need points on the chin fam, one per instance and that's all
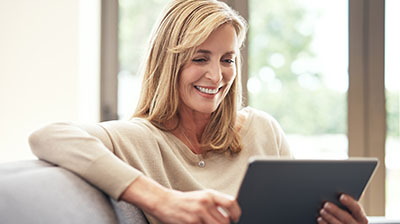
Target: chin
(206, 109)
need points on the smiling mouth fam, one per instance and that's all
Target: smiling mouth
(207, 90)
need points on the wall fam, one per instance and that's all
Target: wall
(38, 69)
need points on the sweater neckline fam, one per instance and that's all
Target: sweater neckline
(184, 149)
(198, 159)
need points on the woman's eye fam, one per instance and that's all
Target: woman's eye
(230, 61)
(199, 60)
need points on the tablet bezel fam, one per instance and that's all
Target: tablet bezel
(276, 190)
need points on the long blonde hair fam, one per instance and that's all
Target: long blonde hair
(184, 25)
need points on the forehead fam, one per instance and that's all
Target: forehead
(222, 40)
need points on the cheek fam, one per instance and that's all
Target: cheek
(190, 74)
(230, 75)
(186, 77)
(183, 88)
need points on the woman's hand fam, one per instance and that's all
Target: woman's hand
(206, 206)
(176, 207)
(330, 213)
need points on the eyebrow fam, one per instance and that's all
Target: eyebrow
(209, 52)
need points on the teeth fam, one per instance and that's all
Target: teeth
(208, 91)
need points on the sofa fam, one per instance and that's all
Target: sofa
(35, 191)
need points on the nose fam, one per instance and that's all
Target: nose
(214, 72)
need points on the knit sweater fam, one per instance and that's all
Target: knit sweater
(111, 155)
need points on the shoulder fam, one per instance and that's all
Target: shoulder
(262, 132)
(135, 128)
(132, 124)
(254, 119)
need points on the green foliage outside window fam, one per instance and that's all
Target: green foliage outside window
(393, 113)
(136, 19)
(297, 98)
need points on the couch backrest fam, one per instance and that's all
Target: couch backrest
(37, 192)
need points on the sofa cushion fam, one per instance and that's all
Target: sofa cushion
(38, 192)
(128, 214)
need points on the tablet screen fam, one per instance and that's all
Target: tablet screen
(293, 191)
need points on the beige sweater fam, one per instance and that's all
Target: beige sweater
(111, 155)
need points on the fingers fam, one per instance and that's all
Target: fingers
(218, 214)
(215, 207)
(320, 220)
(354, 208)
(227, 206)
(205, 206)
(330, 213)
(212, 215)
(333, 214)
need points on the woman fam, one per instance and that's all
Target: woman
(188, 134)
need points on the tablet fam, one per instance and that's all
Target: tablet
(293, 191)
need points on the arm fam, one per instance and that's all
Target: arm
(86, 151)
(171, 206)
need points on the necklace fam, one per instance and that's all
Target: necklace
(201, 163)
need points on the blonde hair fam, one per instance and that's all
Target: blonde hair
(184, 25)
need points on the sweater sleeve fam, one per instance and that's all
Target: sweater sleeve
(86, 151)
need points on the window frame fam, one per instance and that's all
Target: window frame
(366, 95)
(109, 65)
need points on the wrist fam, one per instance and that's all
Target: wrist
(146, 194)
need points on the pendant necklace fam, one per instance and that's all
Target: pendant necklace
(201, 163)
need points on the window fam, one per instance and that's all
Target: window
(298, 60)
(135, 24)
(392, 83)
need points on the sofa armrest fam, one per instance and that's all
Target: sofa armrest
(128, 213)
(35, 191)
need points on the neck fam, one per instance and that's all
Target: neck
(194, 123)
(190, 129)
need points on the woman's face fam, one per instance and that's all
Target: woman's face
(206, 79)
